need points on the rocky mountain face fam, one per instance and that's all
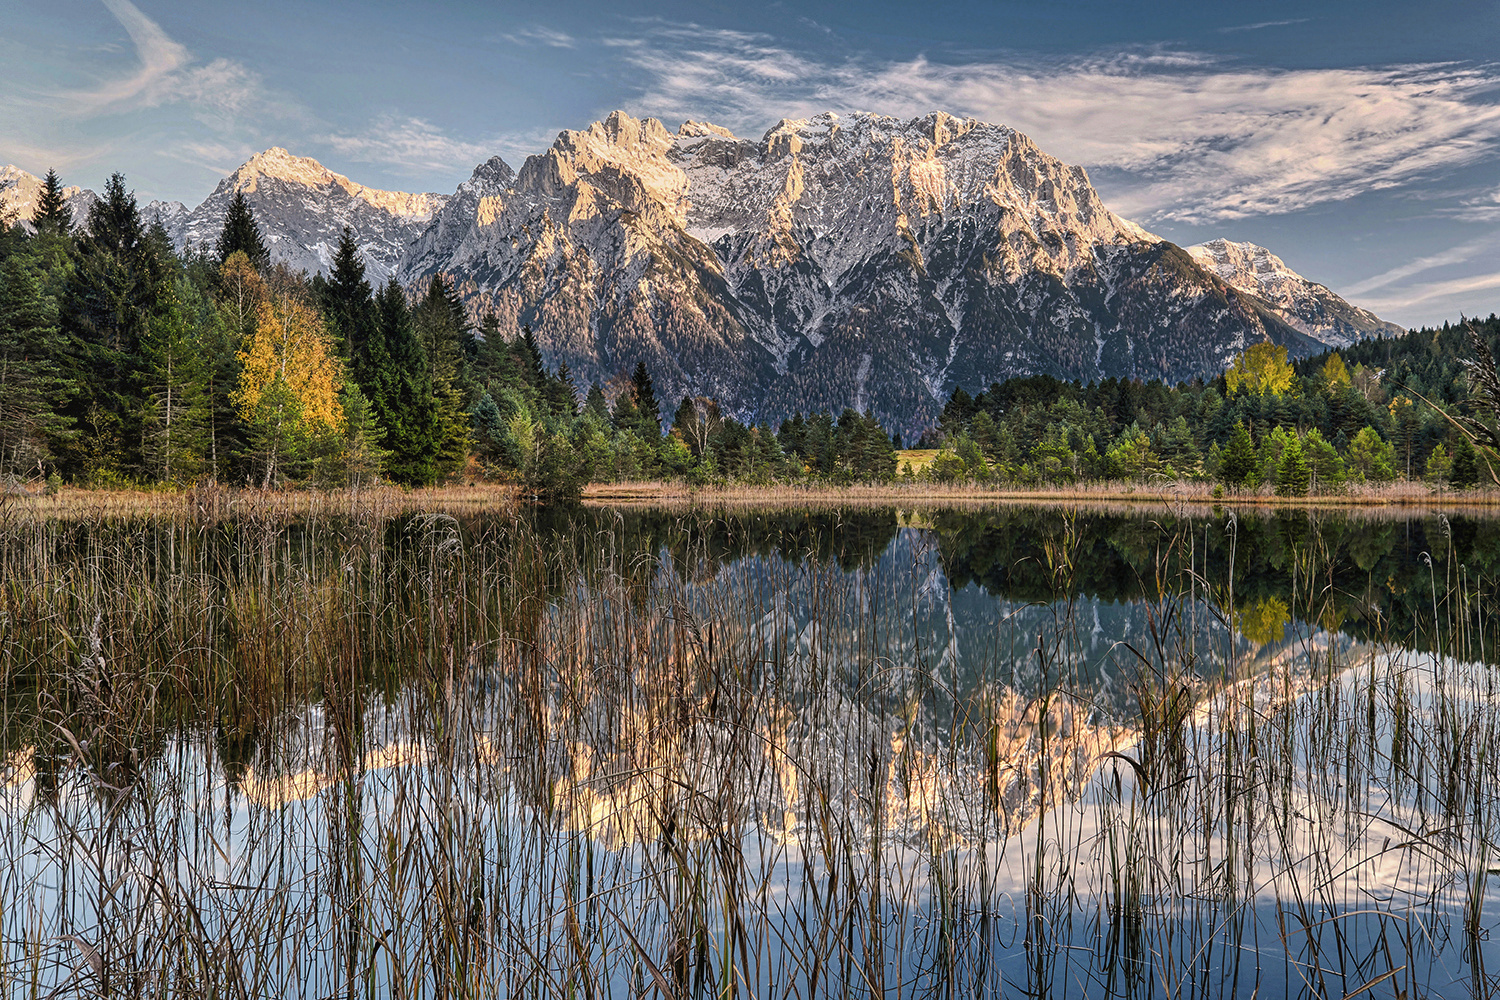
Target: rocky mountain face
(1305, 305)
(302, 208)
(861, 261)
(866, 261)
(20, 190)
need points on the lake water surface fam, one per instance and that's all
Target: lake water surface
(779, 752)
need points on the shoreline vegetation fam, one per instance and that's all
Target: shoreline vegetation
(129, 365)
(449, 755)
(386, 499)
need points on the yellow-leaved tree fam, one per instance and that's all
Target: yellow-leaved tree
(290, 380)
(1262, 370)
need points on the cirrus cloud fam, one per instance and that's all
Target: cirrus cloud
(1193, 138)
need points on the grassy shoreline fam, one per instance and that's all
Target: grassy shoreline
(224, 501)
(1404, 495)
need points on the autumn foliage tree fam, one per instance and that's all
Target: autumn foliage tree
(289, 384)
(1261, 370)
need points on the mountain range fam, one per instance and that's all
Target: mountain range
(858, 261)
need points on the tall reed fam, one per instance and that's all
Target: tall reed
(340, 752)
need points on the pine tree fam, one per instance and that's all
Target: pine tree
(438, 326)
(32, 385)
(176, 428)
(241, 233)
(645, 400)
(52, 217)
(1465, 472)
(1238, 463)
(402, 396)
(349, 308)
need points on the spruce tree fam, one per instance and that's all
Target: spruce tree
(645, 400)
(595, 404)
(562, 393)
(1465, 472)
(107, 304)
(241, 233)
(349, 308)
(402, 400)
(1239, 462)
(439, 331)
(52, 217)
(531, 359)
(32, 385)
(1292, 473)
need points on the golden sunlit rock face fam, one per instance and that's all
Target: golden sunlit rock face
(838, 261)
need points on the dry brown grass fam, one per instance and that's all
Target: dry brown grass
(81, 504)
(1123, 496)
(920, 458)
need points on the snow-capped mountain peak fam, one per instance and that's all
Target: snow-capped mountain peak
(1314, 309)
(302, 208)
(840, 260)
(20, 190)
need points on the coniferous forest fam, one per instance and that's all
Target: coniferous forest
(124, 362)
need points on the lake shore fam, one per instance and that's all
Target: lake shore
(1400, 495)
(222, 501)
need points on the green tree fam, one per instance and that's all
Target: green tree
(645, 400)
(357, 457)
(107, 305)
(1465, 472)
(241, 234)
(349, 308)
(1371, 457)
(439, 324)
(52, 218)
(31, 380)
(596, 404)
(176, 426)
(1238, 464)
(402, 398)
(1327, 468)
(1292, 473)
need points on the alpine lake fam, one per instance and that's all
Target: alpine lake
(780, 752)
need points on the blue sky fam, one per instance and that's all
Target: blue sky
(1358, 140)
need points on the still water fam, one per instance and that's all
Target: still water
(749, 752)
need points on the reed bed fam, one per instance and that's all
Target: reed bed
(376, 752)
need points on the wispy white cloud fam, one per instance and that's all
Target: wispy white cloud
(220, 93)
(540, 35)
(161, 61)
(1453, 290)
(1195, 139)
(410, 145)
(1258, 25)
(1482, 248)
(1481, 208)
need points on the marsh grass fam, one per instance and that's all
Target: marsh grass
(356, 749)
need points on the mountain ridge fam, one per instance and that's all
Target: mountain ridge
(859, 261)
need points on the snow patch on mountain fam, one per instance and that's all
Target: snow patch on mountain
(20, 191)
(1314, 309)
(302, 208)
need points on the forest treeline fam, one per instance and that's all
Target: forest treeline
(1377, 411)
(124, 362)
